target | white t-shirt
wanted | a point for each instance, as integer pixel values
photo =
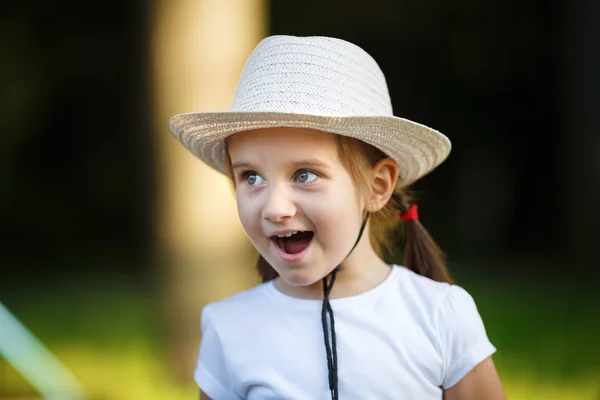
(407, 338)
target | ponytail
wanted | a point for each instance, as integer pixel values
(421, 253)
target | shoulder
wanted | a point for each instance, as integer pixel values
(441, 296)
(447, 309)
(443, 301)
(456, 325)
(224, 337)
(235, 308)
(420, 290)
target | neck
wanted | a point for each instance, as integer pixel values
(361, 271)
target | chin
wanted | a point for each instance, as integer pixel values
(299, 277)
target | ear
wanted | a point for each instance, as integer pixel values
(384, 176)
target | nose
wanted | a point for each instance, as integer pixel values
(279, 204)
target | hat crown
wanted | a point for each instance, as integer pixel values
(312, 75)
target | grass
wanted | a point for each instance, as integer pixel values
(546, 339)
(546, 335)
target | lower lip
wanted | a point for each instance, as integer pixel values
(291, 258)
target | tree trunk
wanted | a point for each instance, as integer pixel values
(198, 51)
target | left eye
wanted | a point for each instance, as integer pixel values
(305, 177)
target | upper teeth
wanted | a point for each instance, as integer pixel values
(287, 234)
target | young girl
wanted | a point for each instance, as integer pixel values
(320, 167)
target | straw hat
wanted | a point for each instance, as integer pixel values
(320, 83)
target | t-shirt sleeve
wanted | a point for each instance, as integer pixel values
(463, 337)
(211, 373)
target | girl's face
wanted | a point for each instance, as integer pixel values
(297, 202)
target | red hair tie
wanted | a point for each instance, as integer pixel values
(411, 214)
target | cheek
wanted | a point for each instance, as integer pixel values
(247, 214)
(335, 217)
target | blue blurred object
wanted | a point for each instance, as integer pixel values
(35, 362)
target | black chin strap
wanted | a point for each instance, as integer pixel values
(330, 343)
(331, 348)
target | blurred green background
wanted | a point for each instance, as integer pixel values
(86, 265)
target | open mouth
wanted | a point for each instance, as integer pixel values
(293, 242)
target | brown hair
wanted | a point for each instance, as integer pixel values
(421, 253)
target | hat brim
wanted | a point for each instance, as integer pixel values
(416, 148)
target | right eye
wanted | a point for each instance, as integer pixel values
(252, 178)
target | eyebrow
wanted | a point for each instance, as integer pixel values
(298, 163)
